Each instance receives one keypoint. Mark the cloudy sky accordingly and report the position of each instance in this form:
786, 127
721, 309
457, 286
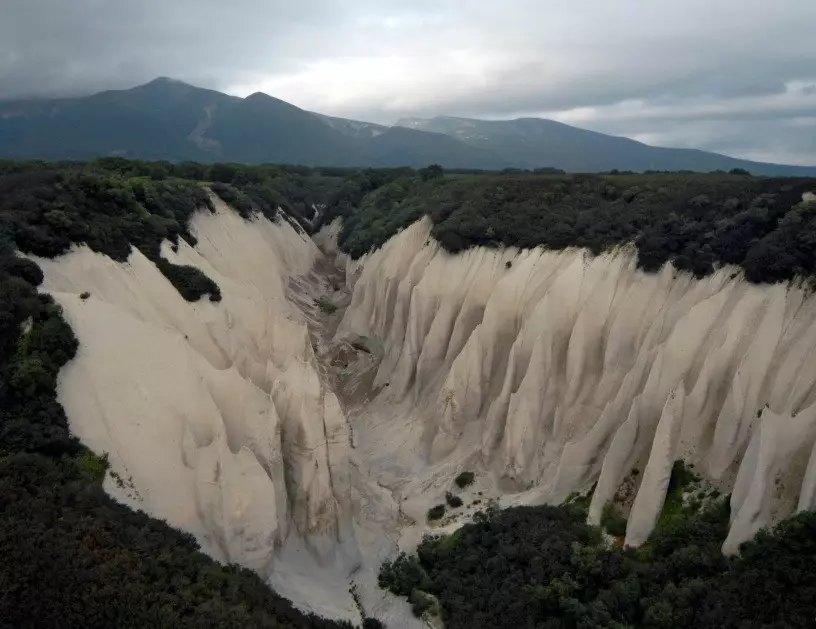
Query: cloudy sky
734, 76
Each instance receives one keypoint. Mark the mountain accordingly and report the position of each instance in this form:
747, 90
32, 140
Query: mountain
171, 120
398, 146
535, 143
168, 119
353, 128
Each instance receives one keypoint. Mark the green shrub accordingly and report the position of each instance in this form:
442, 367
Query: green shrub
421, 602
403, 575
453, 500
436, 513
326, 306
94, 465
544, 567
78, 558
612, 521
189, 281
682, 477
464, 479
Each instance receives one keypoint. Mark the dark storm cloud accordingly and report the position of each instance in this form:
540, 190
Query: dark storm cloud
730, 75
50, 47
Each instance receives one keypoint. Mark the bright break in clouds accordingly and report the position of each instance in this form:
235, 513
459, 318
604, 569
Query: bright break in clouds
732, 76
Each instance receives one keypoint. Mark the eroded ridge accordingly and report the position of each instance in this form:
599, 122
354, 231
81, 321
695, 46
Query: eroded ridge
554, 370
214, 413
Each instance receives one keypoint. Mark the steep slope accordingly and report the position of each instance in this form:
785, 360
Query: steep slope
538, 143
548, 371
163, 119
303, 423
406, 147
213, 416
260, 128
170, 120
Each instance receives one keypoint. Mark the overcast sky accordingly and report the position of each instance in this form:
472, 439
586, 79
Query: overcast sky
734, 76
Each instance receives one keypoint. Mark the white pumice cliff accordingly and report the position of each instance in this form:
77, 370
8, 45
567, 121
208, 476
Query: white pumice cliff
213, 416
309, 447
549, 371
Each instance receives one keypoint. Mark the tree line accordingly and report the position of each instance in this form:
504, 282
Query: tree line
699, 222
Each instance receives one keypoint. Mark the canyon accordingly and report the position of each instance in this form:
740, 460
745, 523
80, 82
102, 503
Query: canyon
308, 445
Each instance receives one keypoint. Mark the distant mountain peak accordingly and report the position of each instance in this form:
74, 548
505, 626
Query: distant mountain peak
164, 81
411, 123
170, 119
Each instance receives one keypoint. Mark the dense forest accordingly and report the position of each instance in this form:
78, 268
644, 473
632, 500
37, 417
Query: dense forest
696, 221
73, 557
544, 567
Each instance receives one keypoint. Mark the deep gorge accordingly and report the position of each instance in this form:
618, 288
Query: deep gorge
308, 445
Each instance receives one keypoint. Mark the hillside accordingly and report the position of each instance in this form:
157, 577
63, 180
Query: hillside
534, 143
307, 397
73, 556
170, 120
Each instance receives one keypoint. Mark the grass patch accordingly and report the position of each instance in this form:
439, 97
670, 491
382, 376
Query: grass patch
577, 503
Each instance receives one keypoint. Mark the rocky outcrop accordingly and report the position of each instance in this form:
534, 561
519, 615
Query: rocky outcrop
213, 415
554, 370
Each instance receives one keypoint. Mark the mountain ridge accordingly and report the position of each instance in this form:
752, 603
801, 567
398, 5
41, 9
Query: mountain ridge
172, 120
574, 149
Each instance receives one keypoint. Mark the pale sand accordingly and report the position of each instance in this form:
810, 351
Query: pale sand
565, 369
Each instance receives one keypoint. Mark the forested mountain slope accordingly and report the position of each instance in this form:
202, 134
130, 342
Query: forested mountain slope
535, 142
72, 556
170, 120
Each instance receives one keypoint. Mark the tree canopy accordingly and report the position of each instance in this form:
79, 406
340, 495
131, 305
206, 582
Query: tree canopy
544, 567
695, 221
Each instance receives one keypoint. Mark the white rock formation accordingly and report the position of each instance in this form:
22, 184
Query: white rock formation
553, 370
542, 371
213, 415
